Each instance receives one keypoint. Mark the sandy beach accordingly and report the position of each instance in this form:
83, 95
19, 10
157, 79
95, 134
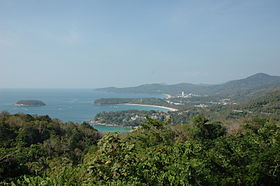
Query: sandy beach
155, 106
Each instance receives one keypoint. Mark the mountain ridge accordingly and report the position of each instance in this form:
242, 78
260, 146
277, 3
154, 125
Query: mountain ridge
248, 85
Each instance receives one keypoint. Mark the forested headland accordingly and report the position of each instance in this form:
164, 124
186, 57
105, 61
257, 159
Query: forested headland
266, 106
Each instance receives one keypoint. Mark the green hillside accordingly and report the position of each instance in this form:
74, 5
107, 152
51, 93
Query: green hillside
269, 104
243, 89
38, 150
36, 145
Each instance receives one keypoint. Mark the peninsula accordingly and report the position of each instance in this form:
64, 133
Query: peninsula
155, 106
147, 102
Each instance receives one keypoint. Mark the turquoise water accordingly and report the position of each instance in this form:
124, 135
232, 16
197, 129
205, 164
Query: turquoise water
112, 129
67, 104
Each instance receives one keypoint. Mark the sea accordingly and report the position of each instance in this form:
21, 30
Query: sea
75, 105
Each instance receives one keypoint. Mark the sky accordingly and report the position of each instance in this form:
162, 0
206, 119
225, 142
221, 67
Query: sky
101, 43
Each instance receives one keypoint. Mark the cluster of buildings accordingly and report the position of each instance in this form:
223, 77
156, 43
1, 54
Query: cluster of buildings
183, 95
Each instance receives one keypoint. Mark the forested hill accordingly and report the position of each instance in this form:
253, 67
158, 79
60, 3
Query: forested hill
161, 89
249, 88
35, 145
38, 150
257, 84
269, 104
267, 107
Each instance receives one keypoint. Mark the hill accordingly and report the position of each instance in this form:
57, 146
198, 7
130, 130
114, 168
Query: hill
269, 104
38, 150
160, 89
267, 107
259, 83
256, 85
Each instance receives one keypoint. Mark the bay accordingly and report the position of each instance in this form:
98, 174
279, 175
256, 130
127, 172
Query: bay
74, 105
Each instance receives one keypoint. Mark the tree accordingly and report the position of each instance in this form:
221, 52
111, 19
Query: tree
203, 131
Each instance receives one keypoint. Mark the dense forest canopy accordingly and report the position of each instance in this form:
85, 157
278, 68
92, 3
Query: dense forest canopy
35, 145
38, 150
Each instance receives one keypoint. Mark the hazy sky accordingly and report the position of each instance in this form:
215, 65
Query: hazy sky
89, 44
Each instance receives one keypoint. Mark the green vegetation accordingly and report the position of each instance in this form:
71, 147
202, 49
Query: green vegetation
240, 90
267, 106
145, 101
30, 103
174, 102
255, 96
136, 117
37, 150
128, 117
39, 145
216, 145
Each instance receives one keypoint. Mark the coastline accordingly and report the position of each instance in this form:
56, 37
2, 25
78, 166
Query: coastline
107, 124
155, 106
26, 105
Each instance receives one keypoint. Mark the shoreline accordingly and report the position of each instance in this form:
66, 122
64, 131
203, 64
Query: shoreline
26, 105
108, 125
155, 106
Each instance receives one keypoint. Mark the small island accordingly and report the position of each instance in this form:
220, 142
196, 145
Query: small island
30, 103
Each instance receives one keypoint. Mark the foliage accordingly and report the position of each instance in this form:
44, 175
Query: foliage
243, 89
36, 145
128, 117
199, 153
